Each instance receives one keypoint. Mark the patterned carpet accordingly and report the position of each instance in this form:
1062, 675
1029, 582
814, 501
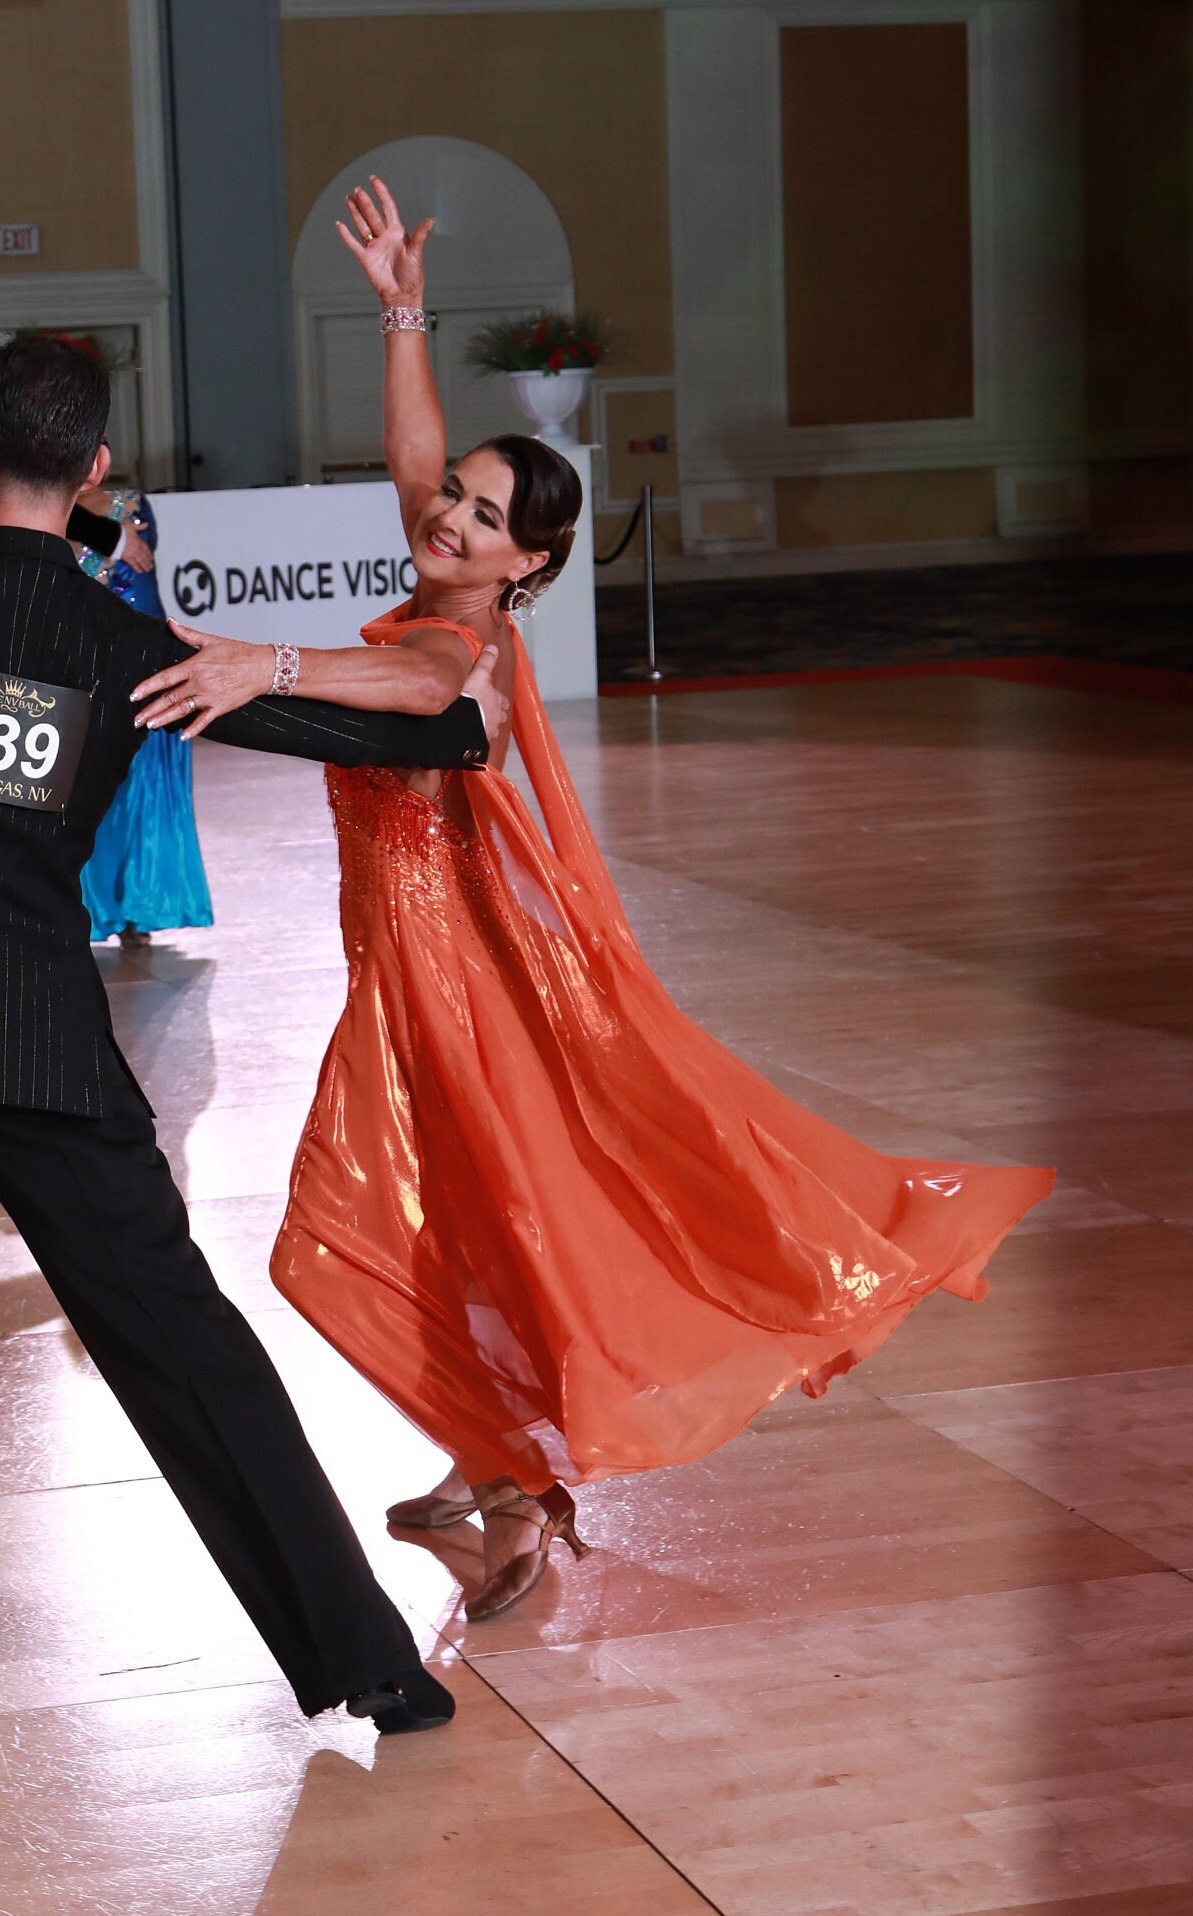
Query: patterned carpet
1134, 612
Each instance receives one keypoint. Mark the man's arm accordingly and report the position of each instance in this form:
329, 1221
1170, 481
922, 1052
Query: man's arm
339, 735
85, 528
312, 728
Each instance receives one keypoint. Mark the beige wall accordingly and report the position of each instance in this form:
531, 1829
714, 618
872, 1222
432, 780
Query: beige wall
668, 542
66, 134
1137, 120
826, 513
878, 239
1137, 135
575, 99
876, 211
1139, 496
885, 508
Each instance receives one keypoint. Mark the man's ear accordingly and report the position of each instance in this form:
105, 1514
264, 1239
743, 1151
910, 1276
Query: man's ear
99, 469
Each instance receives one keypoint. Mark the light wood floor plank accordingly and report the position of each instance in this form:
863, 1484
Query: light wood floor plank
922, 1649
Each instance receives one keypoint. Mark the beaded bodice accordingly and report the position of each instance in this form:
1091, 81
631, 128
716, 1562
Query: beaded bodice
398, 849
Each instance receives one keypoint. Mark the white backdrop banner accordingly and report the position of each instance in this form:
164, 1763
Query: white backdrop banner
309, 565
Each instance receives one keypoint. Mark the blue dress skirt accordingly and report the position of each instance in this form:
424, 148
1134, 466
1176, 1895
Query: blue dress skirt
146, 870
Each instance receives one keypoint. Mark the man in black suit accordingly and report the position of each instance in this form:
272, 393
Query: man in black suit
80, 1172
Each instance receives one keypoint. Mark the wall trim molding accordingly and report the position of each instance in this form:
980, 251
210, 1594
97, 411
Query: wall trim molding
485, 195
731, 366
732, 427
803, 12
153, 220
140, 297
149, 140
796, 562
599, 394
107, 298
931, 441
901, 452
378, 9
726, 199
876, 13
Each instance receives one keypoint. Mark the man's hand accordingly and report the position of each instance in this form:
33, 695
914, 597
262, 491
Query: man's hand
135, 553
479, 686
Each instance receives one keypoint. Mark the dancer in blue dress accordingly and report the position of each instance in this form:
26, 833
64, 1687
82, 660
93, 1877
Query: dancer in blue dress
146, 871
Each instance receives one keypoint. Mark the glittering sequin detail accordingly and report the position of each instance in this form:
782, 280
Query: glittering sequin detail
126, 503
401, 851
95, 565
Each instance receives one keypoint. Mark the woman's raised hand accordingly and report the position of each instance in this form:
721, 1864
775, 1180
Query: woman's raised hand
391, 257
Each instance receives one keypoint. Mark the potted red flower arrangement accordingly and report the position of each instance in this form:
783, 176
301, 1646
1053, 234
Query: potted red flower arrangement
548, 359
112, 359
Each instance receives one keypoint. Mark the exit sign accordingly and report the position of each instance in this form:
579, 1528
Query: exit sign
20, 240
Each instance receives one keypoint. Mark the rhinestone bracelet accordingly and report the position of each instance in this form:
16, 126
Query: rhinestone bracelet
285, 671
403, 319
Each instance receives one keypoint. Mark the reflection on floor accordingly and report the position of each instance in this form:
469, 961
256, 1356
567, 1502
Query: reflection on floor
924, 1647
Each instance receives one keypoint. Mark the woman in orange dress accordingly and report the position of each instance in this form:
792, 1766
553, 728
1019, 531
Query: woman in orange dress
562, 1229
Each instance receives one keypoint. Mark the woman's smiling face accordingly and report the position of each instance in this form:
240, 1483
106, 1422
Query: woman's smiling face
464, 540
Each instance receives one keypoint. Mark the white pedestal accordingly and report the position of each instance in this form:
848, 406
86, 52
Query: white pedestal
309, 565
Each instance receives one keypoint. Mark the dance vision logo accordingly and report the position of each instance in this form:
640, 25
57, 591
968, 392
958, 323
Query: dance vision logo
194, 588
197, 589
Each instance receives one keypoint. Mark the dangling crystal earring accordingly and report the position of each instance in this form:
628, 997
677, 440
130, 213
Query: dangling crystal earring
520, 600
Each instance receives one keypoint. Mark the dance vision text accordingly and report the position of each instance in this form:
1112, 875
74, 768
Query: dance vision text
196, 586
317, 579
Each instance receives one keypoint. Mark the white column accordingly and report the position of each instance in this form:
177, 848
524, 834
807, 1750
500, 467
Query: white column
726, 257
1032, 223
1031, 66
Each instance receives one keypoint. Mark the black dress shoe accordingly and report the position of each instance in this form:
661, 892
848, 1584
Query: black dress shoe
413, 1700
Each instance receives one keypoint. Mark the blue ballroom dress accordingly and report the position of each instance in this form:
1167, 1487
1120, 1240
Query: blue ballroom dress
146, 871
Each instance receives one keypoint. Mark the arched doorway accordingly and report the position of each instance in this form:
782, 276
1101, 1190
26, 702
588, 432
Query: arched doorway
499, 247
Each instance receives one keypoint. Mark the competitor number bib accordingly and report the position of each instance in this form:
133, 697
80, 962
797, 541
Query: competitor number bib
42, 730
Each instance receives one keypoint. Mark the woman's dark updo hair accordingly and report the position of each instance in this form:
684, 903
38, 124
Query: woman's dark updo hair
544, 506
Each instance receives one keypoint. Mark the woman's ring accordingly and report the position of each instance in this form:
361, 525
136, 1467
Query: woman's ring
190, 705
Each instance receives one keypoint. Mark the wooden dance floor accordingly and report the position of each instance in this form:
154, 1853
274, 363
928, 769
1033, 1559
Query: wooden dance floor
925, 1647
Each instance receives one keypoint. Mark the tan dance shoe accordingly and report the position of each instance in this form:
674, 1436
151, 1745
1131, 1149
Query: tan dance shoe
430, 1512
555, 1515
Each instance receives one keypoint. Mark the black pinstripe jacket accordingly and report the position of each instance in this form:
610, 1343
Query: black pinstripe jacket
60, 628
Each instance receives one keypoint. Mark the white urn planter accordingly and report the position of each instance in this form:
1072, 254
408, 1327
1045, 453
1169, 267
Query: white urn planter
551, 399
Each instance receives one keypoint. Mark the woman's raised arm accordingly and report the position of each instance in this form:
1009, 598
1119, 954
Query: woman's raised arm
392, 261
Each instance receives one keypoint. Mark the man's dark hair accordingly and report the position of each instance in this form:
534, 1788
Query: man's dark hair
54, 401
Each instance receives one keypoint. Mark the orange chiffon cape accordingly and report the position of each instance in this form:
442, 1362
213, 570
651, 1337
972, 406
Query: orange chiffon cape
559, 1226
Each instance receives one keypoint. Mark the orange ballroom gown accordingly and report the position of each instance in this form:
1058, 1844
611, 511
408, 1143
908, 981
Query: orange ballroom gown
562, 1229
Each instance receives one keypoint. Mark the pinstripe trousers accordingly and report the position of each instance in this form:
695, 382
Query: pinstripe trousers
96, 1204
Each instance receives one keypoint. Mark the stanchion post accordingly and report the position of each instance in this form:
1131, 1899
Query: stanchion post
652, 667
644, 510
